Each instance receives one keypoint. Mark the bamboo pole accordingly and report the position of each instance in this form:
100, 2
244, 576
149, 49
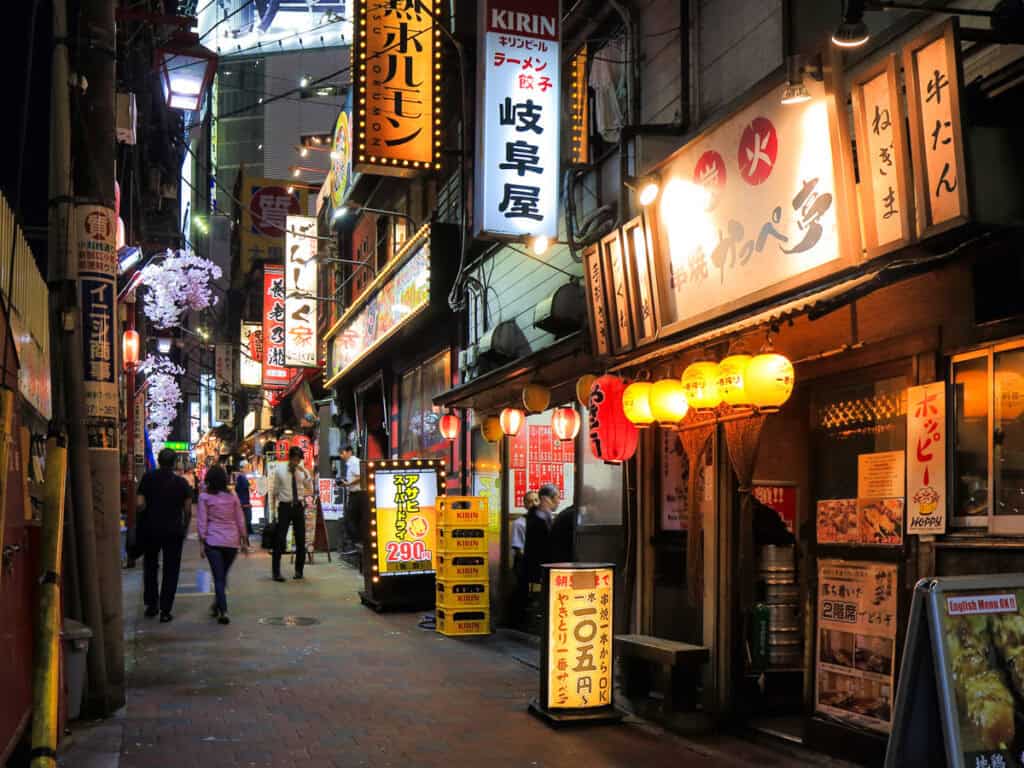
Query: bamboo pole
46, 673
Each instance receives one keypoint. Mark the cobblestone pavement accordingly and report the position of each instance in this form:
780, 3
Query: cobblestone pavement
356, 689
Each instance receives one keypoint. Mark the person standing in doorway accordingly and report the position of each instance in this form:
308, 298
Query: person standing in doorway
518, 535
358, 503
222, 532
242, 491
164, 506
292, 484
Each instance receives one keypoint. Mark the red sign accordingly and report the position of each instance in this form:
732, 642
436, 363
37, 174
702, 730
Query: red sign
759, 147
537, 458
269, 206
781, 498
275, 374
710, 173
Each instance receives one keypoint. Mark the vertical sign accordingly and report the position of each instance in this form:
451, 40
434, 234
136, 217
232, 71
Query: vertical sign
933, 78
579, 642
519, 93
275, 373
882, 159
225, 374
857, 620
579, 107
97, 269
636, 243
618, 292
300, 284
398, 101
926, 459
250, 363
596, 307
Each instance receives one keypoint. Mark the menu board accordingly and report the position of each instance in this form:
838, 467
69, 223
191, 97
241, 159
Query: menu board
536, 458
962, 679
857, 620
881, 475
860, 521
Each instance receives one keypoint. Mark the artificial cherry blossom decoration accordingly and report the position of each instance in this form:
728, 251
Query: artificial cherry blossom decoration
163, 395
180, 283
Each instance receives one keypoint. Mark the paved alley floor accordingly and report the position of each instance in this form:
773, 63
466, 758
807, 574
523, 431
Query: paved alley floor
355, 689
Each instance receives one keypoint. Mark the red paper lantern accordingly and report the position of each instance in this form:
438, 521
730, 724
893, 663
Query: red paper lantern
511, 420
565, 423
449, 426
613, 437
130, 347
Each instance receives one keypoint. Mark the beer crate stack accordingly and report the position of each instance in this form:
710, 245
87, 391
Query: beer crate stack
463, 604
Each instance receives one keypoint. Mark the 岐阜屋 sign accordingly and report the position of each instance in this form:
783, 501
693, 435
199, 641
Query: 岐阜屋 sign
519, 97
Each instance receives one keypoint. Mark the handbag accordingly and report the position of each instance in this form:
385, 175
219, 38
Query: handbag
269, 534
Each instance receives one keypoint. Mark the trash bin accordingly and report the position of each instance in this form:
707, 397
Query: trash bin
75, 638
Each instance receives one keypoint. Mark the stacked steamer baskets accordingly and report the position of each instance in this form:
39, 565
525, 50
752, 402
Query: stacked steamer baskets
782, 602
463, 588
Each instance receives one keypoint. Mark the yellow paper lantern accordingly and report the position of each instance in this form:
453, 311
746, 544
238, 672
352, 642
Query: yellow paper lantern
700, 382
636, 402
583, 385
490, 428
511, 420
536, 398
668, 402
769, 380
731, 380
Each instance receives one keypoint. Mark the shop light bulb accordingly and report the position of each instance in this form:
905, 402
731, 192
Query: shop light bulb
540, 244
649, 193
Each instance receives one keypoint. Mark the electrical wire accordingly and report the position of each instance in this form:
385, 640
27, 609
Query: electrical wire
237, 10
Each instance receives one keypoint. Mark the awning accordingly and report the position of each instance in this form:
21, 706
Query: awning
557, 366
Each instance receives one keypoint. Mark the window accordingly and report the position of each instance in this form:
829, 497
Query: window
987, 399
418, 415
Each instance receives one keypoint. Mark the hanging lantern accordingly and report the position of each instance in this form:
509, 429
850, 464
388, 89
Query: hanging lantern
536, 398
565, 423
186, 70
668, 402
613, 437
130, 348
448, 426
768, 381
700, 382
511, 420
490, 428
636, 403
731, 380
583, 385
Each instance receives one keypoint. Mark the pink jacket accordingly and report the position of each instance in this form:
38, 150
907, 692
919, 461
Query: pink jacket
220, 521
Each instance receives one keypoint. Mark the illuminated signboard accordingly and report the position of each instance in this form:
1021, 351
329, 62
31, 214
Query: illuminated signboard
519, 93
275, 374
394, 299
403, 496
250, 364
578, 654
266, 204
398, 101
236, 28
751, 208
300, 285
339, 180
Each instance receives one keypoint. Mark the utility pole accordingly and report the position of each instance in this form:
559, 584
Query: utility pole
91, 346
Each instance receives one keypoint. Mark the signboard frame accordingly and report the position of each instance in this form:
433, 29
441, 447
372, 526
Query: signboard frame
641, 268
597, 306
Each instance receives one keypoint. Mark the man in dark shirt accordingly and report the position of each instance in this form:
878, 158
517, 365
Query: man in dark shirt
165, 510
242, 491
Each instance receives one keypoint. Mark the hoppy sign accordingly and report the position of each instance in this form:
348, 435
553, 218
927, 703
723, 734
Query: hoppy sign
926, 459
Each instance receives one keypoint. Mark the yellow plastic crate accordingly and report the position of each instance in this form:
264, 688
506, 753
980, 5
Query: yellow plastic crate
455, 511
462, 539
463, 595
456, 623
461, 567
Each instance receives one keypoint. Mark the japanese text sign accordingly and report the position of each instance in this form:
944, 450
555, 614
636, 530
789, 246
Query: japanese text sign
749, 209
300, 285
405, 520
275, 372
519, 103
884, 173
97, 267
638, 252
933, 81
619, 295
926, 458
398, 69
224, 371
266, 205
857, 622
596, 304
250, 364
579, 642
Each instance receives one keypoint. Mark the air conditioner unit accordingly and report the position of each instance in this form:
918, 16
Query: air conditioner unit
562, 312
502, 344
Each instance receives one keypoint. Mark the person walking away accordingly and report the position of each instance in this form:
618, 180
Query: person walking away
562, 541
518, 537
242, 491
291, 484
222, 532
358, 503
165, 510
538, 550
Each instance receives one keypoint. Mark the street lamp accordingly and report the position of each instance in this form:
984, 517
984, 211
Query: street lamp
186, 70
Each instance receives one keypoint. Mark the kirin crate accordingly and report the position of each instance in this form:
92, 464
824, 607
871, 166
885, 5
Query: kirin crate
463, 595
463, 622
455, 567
462, 539
455, 511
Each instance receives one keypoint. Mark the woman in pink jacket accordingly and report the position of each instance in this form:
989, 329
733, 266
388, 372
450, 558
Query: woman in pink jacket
221, 526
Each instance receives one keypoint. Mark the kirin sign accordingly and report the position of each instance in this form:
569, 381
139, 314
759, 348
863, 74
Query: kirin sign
520, 99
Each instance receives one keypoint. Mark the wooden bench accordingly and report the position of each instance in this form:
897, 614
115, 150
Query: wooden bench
682, 661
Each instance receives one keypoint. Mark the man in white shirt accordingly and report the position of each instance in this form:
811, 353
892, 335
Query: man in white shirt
358, 503
292, 484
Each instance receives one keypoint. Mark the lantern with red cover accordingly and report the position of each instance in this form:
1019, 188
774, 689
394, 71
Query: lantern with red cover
448, 426
565, 423
613, 437
130, 348
511, 421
